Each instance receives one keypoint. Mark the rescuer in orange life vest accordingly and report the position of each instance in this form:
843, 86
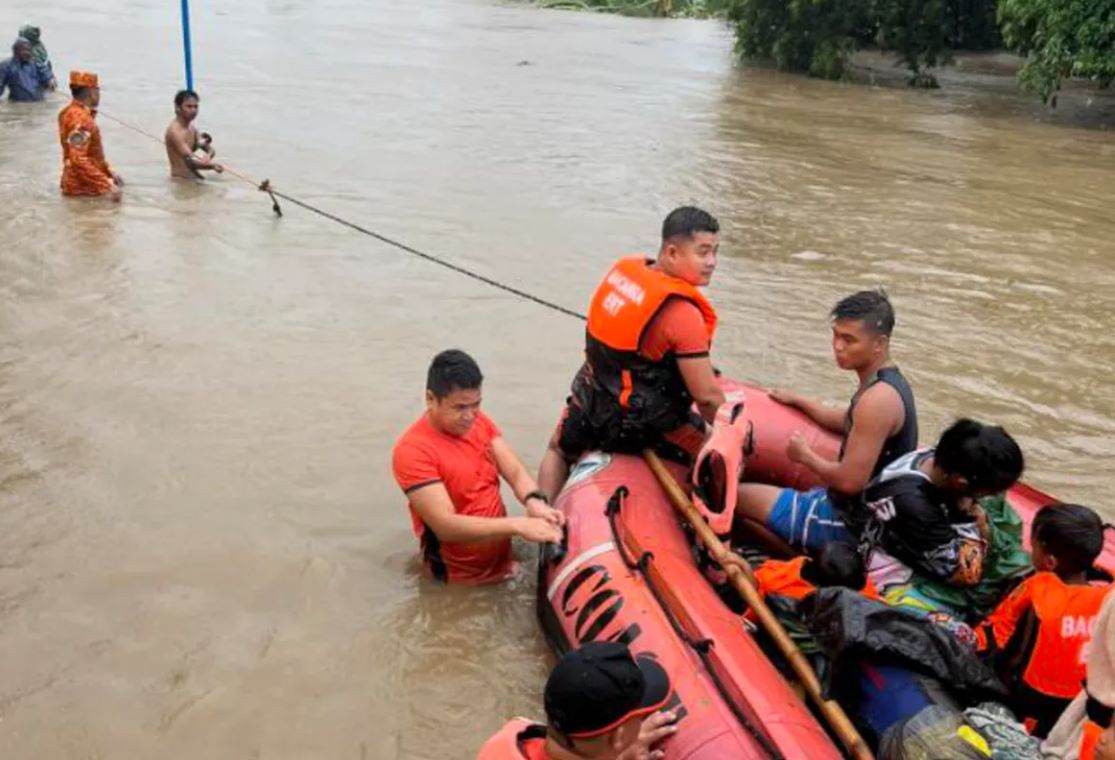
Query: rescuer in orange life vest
647, 349
84, 168
602, 703
1038, 637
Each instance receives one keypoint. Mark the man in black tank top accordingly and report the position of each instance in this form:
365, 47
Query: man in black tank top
878, 425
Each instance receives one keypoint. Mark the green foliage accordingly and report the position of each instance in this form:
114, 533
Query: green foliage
818, 36
1060, 39
915, 30
813, 36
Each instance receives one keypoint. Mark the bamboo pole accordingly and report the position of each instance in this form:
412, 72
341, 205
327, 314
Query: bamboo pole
833, 713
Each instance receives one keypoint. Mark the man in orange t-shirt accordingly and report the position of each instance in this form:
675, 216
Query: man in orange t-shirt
449, 463
647, 346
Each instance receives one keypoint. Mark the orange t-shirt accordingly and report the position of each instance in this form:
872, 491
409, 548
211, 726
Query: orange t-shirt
467, 469
679, 329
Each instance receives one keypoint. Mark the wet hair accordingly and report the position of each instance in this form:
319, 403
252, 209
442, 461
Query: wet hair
837, 564
452, 370
78, 92
984, 455
1072, 533
685, 221
183, 96
872, 307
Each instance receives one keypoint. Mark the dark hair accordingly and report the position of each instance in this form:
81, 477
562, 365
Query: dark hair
872, 307
837, 564
984, 455
79, 92
687, 220
183, 95
450, 371
1070, 532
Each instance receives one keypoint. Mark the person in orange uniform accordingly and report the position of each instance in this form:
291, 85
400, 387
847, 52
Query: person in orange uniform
1037, 639
84, 169
602, 703
647, 346
449, 464
838, 564
1086, 729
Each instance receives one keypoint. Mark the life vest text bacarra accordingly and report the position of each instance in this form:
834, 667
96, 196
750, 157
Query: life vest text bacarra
623, 291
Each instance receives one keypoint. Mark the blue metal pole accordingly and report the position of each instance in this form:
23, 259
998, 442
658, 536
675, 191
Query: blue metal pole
186, 44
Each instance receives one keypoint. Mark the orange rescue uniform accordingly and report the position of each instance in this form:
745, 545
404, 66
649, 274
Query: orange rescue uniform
630, 392
1038, 639
784, 578
518, 740
84, 169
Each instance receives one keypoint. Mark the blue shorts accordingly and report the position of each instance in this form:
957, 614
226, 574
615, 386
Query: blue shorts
806, 519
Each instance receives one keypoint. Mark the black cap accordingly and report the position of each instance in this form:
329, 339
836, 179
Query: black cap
599, 686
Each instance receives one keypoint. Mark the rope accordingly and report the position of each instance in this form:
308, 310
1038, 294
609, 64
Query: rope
432, 258
266, 187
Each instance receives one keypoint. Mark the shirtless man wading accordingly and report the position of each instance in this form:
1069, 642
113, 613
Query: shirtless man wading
183, 144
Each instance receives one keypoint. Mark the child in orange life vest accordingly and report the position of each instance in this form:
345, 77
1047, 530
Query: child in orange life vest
837, 564
1038, 637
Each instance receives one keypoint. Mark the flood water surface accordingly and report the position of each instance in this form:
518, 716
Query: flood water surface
202, 550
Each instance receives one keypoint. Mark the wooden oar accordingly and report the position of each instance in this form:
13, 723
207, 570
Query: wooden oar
832, 711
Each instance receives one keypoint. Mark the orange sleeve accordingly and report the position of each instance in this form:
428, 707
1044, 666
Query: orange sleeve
679, 329
1089, 740
414, 465
1001, 623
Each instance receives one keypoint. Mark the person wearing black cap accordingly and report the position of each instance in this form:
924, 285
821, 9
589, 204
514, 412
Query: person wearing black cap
601, 702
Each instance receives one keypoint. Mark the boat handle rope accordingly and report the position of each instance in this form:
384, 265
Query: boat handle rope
266, 187
703, 647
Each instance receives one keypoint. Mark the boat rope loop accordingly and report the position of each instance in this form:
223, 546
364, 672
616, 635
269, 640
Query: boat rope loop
266, 187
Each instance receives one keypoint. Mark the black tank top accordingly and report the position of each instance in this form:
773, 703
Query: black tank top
906, 439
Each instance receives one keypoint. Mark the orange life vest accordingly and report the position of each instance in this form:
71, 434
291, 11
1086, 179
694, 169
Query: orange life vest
1038, 638
784, 578
1066, 616
626, 393
518, 740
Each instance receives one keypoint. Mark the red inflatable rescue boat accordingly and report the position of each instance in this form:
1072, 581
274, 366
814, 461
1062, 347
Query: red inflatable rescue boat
629, 573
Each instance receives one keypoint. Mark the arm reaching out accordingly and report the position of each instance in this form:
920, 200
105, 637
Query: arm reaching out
435, 509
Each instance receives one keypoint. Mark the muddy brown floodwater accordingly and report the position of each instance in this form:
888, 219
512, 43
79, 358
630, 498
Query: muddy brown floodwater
202, 551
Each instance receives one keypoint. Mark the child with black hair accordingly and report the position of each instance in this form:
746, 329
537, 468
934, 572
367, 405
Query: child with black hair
837, 564
1038, 637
